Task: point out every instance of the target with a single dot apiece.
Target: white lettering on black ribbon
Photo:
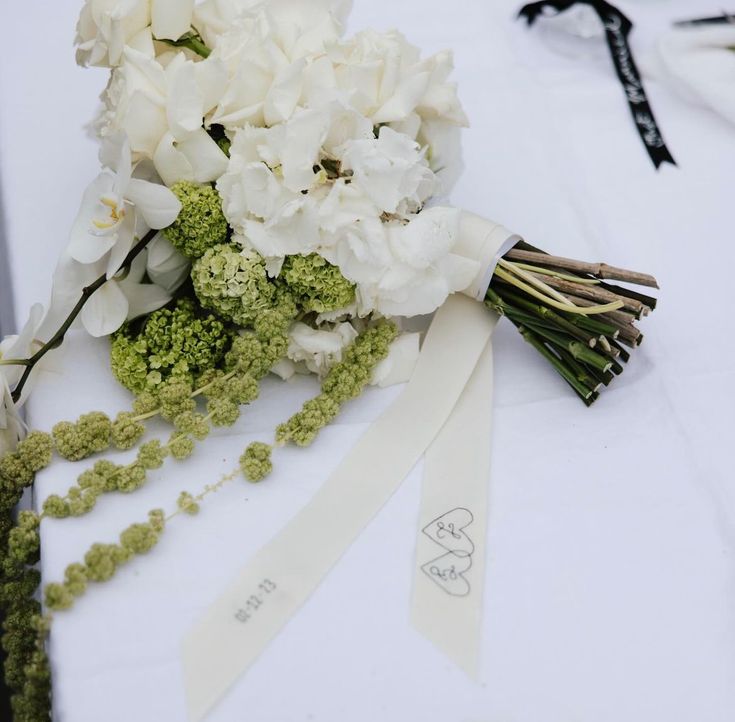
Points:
(617, 30)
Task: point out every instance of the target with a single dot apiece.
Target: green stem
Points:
(545, 313)
(58, 338)
(580, 351)
(565, 372)
(192, 42)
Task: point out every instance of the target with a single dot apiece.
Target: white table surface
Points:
(611, 536)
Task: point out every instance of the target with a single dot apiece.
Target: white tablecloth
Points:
(611, 536)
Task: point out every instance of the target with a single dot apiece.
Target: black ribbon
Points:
(617, 29)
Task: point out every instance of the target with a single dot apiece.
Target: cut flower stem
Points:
(570, 315)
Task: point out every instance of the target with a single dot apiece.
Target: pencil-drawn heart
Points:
(448, 531)
(448, 572)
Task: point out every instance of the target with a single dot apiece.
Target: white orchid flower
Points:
(12, 428)
(117, 210)
(20, 347)
(121, 299)
(166, 266)
(15, 348)
(107, 27)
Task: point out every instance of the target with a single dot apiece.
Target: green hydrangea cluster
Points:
(316, 284)
(24, 630)
(201, 223)
(173, 343)
(345, 381)
(103, 560)
(233, 284)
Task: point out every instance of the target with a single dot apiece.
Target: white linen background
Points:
(611, 536)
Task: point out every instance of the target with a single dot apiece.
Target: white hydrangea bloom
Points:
(306, 186)
(266, 51)
(391, 171)
(387, 81)
(107, 27)
(404, 269)
(161, 109)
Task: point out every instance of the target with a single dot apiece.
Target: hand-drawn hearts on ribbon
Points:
(448, 572)
(448, 531)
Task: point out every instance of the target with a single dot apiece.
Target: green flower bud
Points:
(180, 446)
(139, 538)
(75, 579)
(130, 478)
(126, 432)
(242, 389)
(58, 597)
(223, 412)
(194, 424)
(101, 562)
(15, 473)
(187, 504)
(56, 507)
(36, 450)
(256, 462)
(152, 455)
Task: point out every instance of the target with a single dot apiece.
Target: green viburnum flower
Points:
(201, 223)
(233, 284)
(177, 343)
(316, 284)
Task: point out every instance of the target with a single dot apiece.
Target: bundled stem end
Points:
(567, 312)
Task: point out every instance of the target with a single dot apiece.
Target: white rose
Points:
(106, 27)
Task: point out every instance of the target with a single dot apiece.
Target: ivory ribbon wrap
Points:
(453, 375)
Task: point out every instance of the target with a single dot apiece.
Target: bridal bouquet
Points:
(269, 202)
